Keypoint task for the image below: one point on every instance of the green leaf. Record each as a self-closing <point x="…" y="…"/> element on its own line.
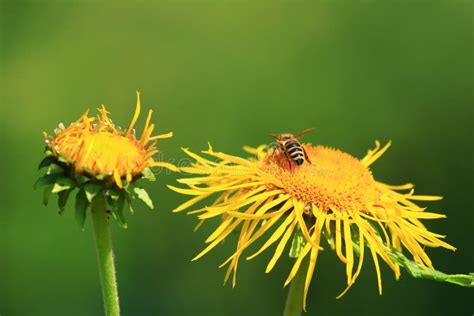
<point x="63" y="184"/>
<point x="47" y="179"/>
<point x="419" y="272"/>
<point x="48" y="160"/>
<point x="46" y="194"/>
<point x="81" y="207"/>
<point x="297" y="244"/>
<point x="116" y="207"/>
<point x="62" y="200"/>
<point x="148" y="174"/>
<point x="91" y="190"/>
<point x="141" y="194"/>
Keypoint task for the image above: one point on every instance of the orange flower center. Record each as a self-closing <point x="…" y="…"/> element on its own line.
<point x="103" y="152"/>
<point x="333" y="181"/>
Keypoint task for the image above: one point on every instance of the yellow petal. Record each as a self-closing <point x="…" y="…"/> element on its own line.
<point x="190" y="202"/>
<point x="117" y="178"/>
<point x="275" y="236"/>
<point x="165" y="165"/>
<point x="281" y="246"/>
<point x="370" y="159"/>
<point x="313" y="255"/>
<point x="349" y="252"/>
<point x="135" y="116"/>
<point x="162" y="136"/>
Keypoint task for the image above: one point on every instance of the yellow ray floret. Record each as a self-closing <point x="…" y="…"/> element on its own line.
<point x="95" y="146"/>
<point x="336" y="194"/>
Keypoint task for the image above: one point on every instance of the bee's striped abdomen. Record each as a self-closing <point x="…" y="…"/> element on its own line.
<point x="295" y="151"/>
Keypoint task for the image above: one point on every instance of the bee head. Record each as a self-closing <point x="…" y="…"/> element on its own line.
<point x="282" y="137"/>
<point x="288" y="136"/>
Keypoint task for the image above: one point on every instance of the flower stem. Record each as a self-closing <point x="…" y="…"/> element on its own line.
<point x="294" y="301"/>
<point x="105" y="256"/>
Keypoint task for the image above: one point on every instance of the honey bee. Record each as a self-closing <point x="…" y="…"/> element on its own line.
<point x="292" y="148"/>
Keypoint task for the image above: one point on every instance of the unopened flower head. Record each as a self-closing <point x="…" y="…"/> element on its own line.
<point x="94" y="154"/>
<point x="334" y="197"/>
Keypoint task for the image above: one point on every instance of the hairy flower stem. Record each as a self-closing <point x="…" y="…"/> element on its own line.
<point x="294" y="301"/>
<point x="105" y="256"/>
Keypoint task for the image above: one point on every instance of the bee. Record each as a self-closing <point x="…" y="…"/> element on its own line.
<point x="292" y="148"/>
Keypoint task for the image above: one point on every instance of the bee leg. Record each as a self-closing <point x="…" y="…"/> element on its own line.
<point x="306" y="156"/>
<point x="290" y="167"/>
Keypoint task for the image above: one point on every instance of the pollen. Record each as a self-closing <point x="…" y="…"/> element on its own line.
<point x="335" y="181"/>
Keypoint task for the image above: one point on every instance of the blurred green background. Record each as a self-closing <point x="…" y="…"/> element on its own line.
<point x="233" y="72"/>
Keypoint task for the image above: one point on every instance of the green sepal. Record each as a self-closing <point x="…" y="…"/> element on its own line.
<point x="91" y="190"/>
<point x="62" y="159"/>
<point x="81" y="205"/>
<point x="63" y="184"/>
<point x="47" y="194"/>
<point x="125" y="185"/>
<point x="81" y="179"/>
<point x="62" y="200"/>
<point x="329" y="239"/>
<point x="148" y="174"/>
<point x="54" y="169"/>
<point x="114" y="194"/>
<point x="48" y="160"/>
<point x="129" y="203"/>
<point x="47" y="179"/>
<point x="116" y="202"/>
<point x="297" y="244"/>
<point x="141" y="194"/>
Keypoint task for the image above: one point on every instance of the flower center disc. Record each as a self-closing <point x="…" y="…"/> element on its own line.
<point x="102" y="153"/>
<point x="333" y="181"/>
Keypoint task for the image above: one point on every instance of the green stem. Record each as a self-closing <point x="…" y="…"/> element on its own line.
<point x="294" y="301"/>
<point x="105" y="256"/>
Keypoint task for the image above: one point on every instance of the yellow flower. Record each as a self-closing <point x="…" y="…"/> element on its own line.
<point x="336" y="196"/>
<point x="96" y="157"/>
<point x="95" y="146"/>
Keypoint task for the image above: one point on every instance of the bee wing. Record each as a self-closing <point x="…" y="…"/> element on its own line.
<point x="301" y="133"/>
